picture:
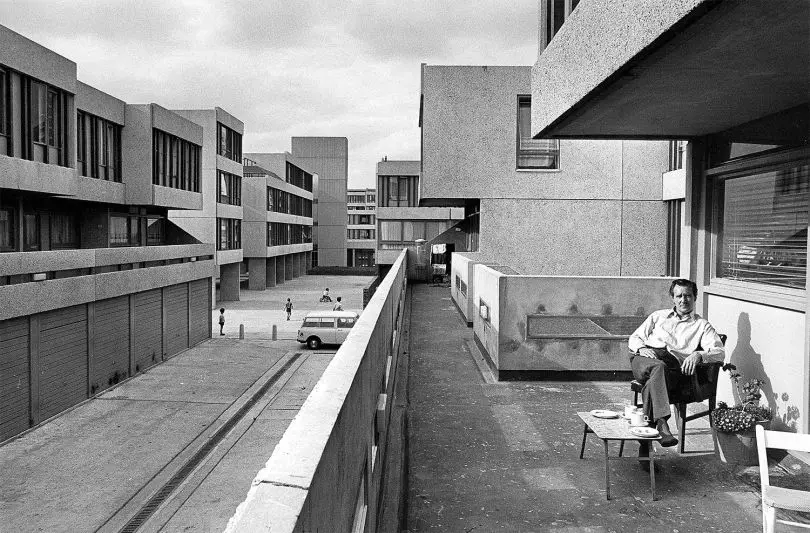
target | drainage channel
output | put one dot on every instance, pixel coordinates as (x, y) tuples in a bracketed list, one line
[(163, 493)]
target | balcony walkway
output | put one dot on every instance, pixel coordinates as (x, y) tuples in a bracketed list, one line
[(505, 456)]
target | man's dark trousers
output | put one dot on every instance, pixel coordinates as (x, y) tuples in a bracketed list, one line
[(659, 379)]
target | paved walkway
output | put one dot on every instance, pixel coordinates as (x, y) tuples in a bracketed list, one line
[(505, 456)]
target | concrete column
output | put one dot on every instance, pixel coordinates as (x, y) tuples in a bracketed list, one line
[(229, 282), (295, 265), (302, 270), (270, 267), (280, 269), (309, 260), (288, 267), (257, 273)]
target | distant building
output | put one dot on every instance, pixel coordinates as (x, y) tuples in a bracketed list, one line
[(361, 227), (96, 282), (328, 160), (219, 222), (277, 226), (401, 223)]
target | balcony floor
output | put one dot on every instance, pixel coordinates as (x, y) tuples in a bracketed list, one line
[(505, 456)]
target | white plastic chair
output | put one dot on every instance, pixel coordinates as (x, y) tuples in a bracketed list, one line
[(778, 497)]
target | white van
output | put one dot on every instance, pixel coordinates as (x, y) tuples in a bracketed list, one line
[(326, 327)]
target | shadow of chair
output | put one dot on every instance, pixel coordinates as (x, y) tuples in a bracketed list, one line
[(702, 387), (779, 497)]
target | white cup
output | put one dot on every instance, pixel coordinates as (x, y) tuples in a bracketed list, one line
[(638, 418), (630, 409)]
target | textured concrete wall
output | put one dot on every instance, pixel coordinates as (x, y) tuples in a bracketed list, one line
[(99, 103), (764, 342), (312, 480), (257, 273), (24, 175), (24, 55), (102, 191), (270, 270), (136, 154), (280, 265), (229, 282), (488, 289), (572, 298)]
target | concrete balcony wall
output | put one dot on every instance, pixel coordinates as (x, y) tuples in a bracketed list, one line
[(103, 191), (333, 451), (176, 198), (24, 175), (24, 55), (225, 257), (36, 297), (462, 276), (547, 324)]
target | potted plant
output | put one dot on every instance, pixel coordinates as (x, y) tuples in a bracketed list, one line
[(734, 427)]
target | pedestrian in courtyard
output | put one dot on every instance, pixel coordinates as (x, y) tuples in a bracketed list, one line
[(288, 307), (221, 320), (338, 306)]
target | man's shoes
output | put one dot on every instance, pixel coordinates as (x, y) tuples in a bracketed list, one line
[(667, 439)]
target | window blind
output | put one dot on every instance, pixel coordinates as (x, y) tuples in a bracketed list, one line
[(763, 236)]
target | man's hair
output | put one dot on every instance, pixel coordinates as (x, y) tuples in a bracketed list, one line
[(683, 283), (221, 309), (338, 298)]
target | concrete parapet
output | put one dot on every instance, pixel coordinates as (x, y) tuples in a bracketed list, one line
[(329, 462)]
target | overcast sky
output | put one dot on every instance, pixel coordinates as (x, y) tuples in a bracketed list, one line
[(294, 68)]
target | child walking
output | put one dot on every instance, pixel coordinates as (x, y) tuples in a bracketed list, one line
[(288, 307), (221, 320)]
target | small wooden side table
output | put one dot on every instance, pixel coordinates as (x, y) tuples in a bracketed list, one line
[(618, 429)]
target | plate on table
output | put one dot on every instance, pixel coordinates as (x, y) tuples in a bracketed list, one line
[(604, 413), (642, 431)]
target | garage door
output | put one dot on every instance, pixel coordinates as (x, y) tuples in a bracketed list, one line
[(176, 334), (14, 380), (62, 359), (110, 343), (148, 345), (199, 310)]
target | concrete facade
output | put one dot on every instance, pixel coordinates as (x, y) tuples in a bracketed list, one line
[(204, 223), (361, 227), (599, 213), (753, 136), (328, 160), (262, 183), (91, 267)]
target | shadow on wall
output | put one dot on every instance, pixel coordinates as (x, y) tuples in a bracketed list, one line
[(749, 363)]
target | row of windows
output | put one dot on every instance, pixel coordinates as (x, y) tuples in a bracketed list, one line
[(361, 198), (229, 234), (410, 230), (279, 233), (361, 219), (5, 109), (55, 230), (360, 233), (98, 144), (230, 189), (398, 191), (229, 143), (360, 208), (280, 201), (299, 177), (175, 162)]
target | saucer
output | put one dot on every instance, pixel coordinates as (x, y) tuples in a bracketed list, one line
[(643, 431), (604, 413)]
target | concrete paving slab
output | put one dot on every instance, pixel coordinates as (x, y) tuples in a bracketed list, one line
[(505, 456)]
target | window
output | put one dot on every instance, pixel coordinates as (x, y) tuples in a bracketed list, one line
[(677, 151), (101, 156), (31, 232), (230, 189), (44, 119), (230, 234), (229, 143), (64, 231), (391, 230), (398, 191), (299, 177), (5, 113), (673, 244), (533, 154), (155, 231), (345, 323), (124, 230), (175, 162), (7, 231), (762, 233)]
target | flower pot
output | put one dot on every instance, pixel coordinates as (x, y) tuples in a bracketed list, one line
[(738, 448)]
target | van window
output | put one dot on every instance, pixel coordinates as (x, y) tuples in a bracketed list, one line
[(345, 322), (327, 322), (312, 322)]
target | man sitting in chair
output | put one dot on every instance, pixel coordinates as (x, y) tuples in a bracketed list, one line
[(666, 348)]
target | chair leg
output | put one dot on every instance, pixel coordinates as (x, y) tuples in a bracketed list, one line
[(711, 408), (635, 399), (681, 408), (768, 519)]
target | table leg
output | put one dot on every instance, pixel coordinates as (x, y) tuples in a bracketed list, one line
[(607, 471), (621, 447), (652, 470), (584, 436)]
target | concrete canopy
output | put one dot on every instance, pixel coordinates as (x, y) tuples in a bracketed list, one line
[(641, 69)]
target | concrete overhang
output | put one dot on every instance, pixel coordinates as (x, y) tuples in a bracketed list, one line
[(674, 69)]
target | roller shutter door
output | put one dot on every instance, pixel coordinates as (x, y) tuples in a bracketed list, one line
[(14, 379), (199, 310), (110, 343), (148, 330), (62, 359), (176, 334)]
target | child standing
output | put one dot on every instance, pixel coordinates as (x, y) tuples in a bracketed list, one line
[(288, 307), (221, 320), (338, 306)]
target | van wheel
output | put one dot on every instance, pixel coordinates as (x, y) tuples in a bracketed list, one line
[(314, 343)]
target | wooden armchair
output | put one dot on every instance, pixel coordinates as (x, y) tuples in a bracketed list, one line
[(702, 387)]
